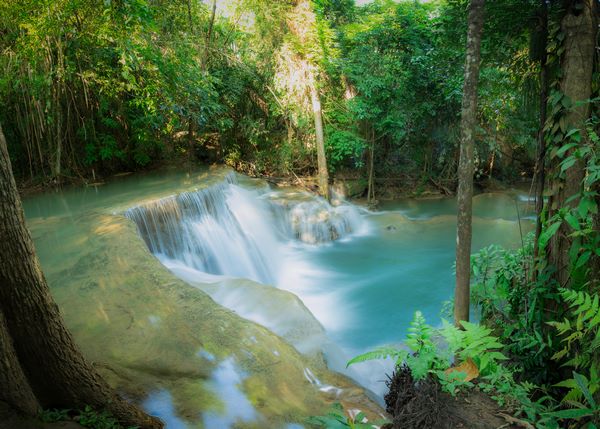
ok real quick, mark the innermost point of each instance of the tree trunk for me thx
(465, 168)
(540, 169)
(321, 159)
(15, 388)
(190, 21)
(211, 24)
(579, 27)
(371, 186)
(191, 141)
(52, 369)
(190, 136)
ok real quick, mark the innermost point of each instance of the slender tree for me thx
(465, 168)
(320, 139)
(371, 182)
(298, 74)
(40, 364)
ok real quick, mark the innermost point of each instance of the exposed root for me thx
(414, 404)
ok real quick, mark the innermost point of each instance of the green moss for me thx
(143, 327)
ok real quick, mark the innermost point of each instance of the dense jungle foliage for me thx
(110, 86)
(97, 87)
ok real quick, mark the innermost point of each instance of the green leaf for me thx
(574, 134)
(383, 352)
(586, 206)
(548, 233)
(583, 259)
(566, 101)
(572, 413)
(570, 384)
(567, 163)
(583, 386)
(561, 151)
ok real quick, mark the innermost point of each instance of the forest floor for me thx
(478, 411)
(11, 419)
(422, 404)
(470, 410)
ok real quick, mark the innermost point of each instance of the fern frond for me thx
(383, 352)
(562, 327)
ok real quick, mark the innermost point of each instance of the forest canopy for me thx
(117, 85)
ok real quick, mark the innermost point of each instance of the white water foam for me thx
(226, 231)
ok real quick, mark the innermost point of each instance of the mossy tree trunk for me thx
(540, 167)
(579, 27)
(40, 364)
(465, 168)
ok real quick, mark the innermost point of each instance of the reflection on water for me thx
(225, 383)
(160, 404)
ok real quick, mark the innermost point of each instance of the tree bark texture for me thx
(15, 389)
(579, 27)
(37, 349)
(321, 159)
(465, 168)
(540, 167)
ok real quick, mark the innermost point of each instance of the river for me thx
(355, 277)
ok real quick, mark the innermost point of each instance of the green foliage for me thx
(571, 151)
(453, 382)
(580, 338)
(343, 146)
(527, 400)
(54, 415)
(588, 411)
(520, 297)
(113, 86)
(122, 81)
(94, 420)
(87, 417)
(512, 306)
(423, 356)
(336, 418)
(474, 342)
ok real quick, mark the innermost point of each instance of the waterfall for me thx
(229, 230)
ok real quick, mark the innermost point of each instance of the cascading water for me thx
(235, 232)
(229, 231)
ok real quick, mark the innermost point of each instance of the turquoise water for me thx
(363, 288)
(406, 262)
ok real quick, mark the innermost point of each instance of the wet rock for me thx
(139, 358)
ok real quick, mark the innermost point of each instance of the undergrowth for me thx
(88, 417)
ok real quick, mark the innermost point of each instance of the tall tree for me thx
(40, 364)
(320, 139)
(540, 170)
(579, 27)
(298, 74)
(465, 168)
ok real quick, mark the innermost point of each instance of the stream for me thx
(359, 275)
